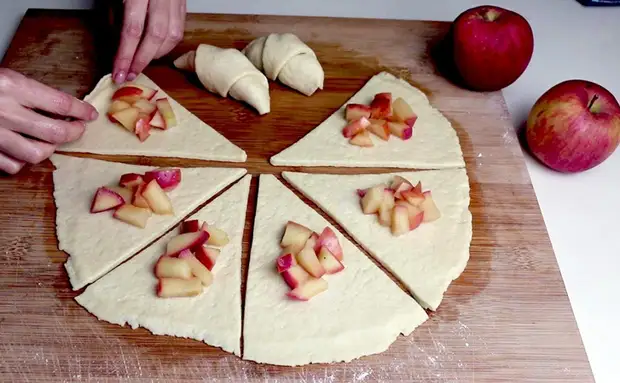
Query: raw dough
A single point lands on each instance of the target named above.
(190, 138)
(434, 144)
(361, 313)
(127, 294)
(96, 243)
(228, 71)
(427, 259)
(286, 58)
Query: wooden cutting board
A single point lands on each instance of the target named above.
(506, 319)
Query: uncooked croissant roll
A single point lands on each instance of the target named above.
(228, 71)
(286, 58)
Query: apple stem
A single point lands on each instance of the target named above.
(592, 102)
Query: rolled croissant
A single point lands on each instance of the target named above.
(228, 72)
(286, 58)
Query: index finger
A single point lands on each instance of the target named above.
(133, 25)
(35, 95)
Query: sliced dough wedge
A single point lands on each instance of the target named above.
(96, 243)
(427, 259)
(434, 144)
(127, 293)
(362, 312)
(190, 138)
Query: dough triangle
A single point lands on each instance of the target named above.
(96, 243)
(434, 144)
(361, 313)
(190, 138)
(427, 259)
(127, 293)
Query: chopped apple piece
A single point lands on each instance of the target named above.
(127, 194)
(413, 197)
(329, 240)
(145, 107)
(190, 226)
(372, 199)
(138, 198)
(285, 261)
(157, 121)
(173, 287)
(431, 212)
(106, 199)
(133, 215)
(142, 128)
(385, 210)
(295, 276)
(308, 260)
(418, 187)
(380, 129)
(117, 106)
(403, 112)
(400, 220)
(356, 111)
(217, 237)
(128, 94)
(127, 118)
(207, 256)
(381, 106)
(398, 180)
(147, 93)
(168, 267)
(199, 270)
(330, 263)
(362, 139)
(401, 130)
(416, 215)
(311, 242)
(186, 241)
(167, 178)
(295, 235)
(131, 180)
(157, 198)
(309, 289)
(362, 192)
(355, 127)
(164, 107)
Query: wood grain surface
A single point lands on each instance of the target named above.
(506, 319)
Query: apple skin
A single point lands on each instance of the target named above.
(574, 126)
(492, 47)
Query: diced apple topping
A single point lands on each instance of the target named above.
(356, 127)
(168, 267)
(431, 212)
(127, 194)
(105, 199)
(356, 111)
(167, 178)
(173, 287)
(199, 270)
(380, 129)
(207, 256)
(138, 198)
(308, 289)
(117, 106)
(131, 180)
(381, 106)
(329, 240)
(403, 112)
(295, 235)
(157, 198)
(157, 121)
(132, 215)
(401, 130)
(186, 241)
(145, 107)
(413, 197)
(165, 109)
(128, 94)
(308, 260)
(372, 199)
(295, 276)
(190, 226)
(312, 241)
(400, 220)
(142, 128)
(217, 237)
(362, 139)
(127, 118)
(330, 263)
(285, 261)
(147, 93)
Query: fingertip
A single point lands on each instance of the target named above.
(77, 132)
(94, 114)
(131, 76)
(119, 77)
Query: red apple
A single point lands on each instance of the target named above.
(574, 126)
(492, 47)
(167, 178)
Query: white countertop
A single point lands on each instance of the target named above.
(581, 211)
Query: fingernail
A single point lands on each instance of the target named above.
(131, 76)
(119, 77)
(94, 115)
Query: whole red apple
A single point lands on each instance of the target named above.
(492, 47)
(574, 126)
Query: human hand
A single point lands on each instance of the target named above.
(165, 24)
(30, 137)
